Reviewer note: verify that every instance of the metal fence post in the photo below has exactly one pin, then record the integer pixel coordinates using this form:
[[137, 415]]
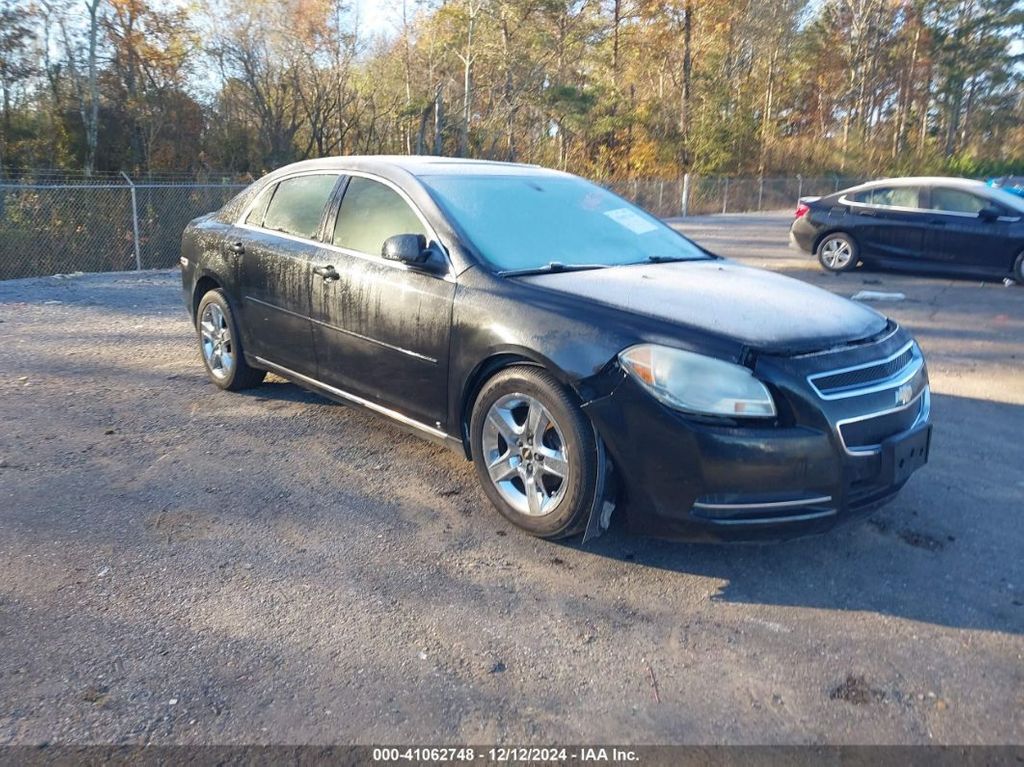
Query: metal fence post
[[760, 192], [725, 197], [135, 224], [685, 201], [799, 187]]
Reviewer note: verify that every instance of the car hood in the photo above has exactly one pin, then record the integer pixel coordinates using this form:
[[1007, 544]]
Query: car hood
[[761, 309]]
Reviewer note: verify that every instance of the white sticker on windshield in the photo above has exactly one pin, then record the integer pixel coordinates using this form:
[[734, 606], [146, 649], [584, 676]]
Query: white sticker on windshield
[[633, 222]]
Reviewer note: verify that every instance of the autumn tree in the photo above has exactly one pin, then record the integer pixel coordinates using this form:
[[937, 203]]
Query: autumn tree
[[606, 88]]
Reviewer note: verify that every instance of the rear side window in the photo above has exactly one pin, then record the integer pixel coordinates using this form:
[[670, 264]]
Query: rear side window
[[298, 204], [370, 213], [957, 201], [891, 196]]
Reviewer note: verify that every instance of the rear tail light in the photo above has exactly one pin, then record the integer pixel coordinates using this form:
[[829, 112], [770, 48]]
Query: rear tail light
[[801, 210]]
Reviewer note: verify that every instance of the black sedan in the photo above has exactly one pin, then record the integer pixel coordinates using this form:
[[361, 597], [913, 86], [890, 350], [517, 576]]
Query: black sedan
[[918, 224], [580, 352]]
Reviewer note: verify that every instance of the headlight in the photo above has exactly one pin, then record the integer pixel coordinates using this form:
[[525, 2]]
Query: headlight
[[694, 383]]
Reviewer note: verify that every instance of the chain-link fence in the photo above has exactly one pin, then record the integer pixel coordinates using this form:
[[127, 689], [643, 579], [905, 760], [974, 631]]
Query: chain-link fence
[[695, 195], [60, 227]]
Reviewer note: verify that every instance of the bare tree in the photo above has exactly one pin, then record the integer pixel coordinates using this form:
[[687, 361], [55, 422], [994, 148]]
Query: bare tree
[[87, 92], [468, 57]]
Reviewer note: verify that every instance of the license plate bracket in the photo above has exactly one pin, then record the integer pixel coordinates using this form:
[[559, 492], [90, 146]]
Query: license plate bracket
[[904, 455]]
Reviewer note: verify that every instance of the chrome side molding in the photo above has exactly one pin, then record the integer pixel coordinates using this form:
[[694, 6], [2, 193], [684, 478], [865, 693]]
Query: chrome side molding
[[354, 399]]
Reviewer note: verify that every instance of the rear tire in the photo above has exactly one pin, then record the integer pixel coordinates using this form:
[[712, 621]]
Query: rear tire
[[220, 345], [838, 252], [1018, 270], [535, 452]]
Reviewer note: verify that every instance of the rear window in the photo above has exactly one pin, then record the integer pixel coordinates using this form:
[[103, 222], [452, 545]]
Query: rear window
[[890, 196], [259, 208], [233, 208], [298, 205]]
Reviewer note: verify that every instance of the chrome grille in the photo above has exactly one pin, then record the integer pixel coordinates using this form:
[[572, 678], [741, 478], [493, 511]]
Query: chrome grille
[[855, 380], [865, 434], [879, 372]]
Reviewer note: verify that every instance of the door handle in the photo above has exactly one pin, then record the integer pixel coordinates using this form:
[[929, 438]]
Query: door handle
[[329, 273], [937, 222], [237, 248]]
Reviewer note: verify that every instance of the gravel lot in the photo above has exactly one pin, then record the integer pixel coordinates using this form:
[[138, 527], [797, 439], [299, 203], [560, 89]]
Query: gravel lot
[[179, 564]]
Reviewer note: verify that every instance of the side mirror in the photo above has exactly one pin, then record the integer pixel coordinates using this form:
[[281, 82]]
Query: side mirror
[[407, 248], [989, 214]]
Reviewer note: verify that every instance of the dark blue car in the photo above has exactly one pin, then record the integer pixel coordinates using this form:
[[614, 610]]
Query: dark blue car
[[916, 224]]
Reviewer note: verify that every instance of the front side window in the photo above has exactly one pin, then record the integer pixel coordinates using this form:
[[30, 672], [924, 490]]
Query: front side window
[[370, 213], [298, 205], [520, 221], [957, 201]]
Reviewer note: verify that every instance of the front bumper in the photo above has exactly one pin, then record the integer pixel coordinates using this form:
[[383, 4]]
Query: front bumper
[[688, 479]]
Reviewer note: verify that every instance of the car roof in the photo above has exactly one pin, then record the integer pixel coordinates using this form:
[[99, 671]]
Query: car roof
[[946, 181], [419, 166], [950, 182]]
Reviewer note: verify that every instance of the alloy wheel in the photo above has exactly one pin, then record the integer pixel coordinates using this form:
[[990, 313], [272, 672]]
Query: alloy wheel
[[218, 349], [836, 253], [525, 454]]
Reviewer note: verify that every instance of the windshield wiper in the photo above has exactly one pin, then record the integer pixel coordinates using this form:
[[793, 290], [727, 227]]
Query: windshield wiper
[[668, 259], [549, 268]]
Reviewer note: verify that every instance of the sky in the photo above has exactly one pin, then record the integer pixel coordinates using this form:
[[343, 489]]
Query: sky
[[380, 16]]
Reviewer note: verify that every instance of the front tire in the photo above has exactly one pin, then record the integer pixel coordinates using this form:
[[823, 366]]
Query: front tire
[[1018, 270], [220, 345], [838, 252], [535, 452]]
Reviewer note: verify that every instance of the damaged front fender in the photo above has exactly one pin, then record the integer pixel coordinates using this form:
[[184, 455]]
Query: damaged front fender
[[590, 390]]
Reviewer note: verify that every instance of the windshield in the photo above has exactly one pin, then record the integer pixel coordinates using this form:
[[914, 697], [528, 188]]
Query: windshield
[[1007, 199], [522, 222]]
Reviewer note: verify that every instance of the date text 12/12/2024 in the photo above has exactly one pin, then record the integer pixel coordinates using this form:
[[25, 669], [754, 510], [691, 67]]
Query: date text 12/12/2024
[[504, 754]]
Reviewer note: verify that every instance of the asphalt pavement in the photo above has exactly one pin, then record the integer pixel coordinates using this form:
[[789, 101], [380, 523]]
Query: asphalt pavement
[[184, 565]]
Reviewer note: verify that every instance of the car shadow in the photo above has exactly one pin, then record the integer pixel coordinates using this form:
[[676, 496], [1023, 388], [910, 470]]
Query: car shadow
[[934, 273], [946, 551], [280, 390]]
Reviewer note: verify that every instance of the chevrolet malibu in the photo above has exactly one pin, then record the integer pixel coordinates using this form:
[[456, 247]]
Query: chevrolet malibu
[[585, 356]]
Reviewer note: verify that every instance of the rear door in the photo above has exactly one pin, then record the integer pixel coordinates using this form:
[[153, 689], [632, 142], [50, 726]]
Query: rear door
[[960, 238], [282, 242], [890, 223], [382, 328]]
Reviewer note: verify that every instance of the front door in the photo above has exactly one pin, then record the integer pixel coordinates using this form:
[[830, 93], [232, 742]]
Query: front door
[[281, 247], [382, 328], [958, 237]]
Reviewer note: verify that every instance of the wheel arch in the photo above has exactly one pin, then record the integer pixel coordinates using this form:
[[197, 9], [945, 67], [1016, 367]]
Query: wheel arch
[[204, 285], [835, 230], [487, 369], [1017, 267]]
